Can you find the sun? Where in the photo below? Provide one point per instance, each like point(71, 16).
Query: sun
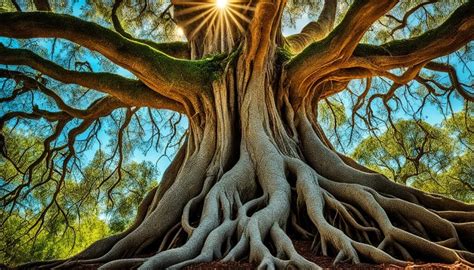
point(180, 32)
point(222, 18)
point(222, 4)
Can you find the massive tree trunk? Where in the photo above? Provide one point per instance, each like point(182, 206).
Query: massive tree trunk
point(257, 171)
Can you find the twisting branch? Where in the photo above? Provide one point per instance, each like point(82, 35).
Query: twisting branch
point(171, 77)
point(315, 30)
point(441, 67)
point(345, 75)
point(119, 150)
point(340, 43)
point(51, 154)
point(91, 112)
point(404, 21)
point(132, 92)
point(450, 36)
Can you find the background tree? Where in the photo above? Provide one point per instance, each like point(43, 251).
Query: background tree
point(254, 165)
point(89, 213)
point(421, 155)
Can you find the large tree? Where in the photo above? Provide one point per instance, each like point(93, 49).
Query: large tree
point(256, 168)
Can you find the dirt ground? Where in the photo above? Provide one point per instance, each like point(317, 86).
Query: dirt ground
point(304, 248)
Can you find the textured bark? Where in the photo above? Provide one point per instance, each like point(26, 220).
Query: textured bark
point(233, 188)
point(250, 164)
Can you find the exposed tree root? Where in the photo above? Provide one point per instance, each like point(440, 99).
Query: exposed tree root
point(247, 214)
point(216, 205)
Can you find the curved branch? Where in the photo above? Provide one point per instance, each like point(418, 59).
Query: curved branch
point(132, 92)
point(97, 107)
point(340, 43)
point(314, 31)
point(174, 78)
point(404, 21)
point(449, 37)
point(347, 74)
point(441, 67)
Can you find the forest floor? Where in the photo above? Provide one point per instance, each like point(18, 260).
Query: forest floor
point(304, 248)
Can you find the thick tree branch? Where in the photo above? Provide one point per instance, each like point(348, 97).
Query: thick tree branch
point(91, 112)
point(328, 85)
point(413, 53)
point(174, 78)
point(314, 31)
point(132, 92)
point(340, 43)
point(262, 31)
point(450, 36)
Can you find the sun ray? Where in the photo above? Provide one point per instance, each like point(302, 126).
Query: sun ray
point(228, 25)
point(236, 21)
point(223, 18)
point(242, 16)
point(212, 14)
point(206, 14)
point(193, 9)
point(240, 6)
point(222, 32)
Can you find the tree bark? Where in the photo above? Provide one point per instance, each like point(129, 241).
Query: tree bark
point(250, 163)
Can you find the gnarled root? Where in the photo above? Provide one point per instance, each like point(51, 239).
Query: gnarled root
point(249, 211)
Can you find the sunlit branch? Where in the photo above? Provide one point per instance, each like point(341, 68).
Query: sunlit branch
point(316, 30)
point(449, 37)
point(129, 91)
point(346, 75)
point(339, 44)
point(172, 77)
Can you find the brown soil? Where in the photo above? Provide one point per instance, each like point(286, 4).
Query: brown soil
point(304, 248)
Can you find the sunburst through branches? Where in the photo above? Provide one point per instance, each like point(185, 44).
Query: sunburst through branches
point(221, 19)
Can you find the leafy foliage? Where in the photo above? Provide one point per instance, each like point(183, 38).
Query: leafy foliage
point(428, 157)
point(89, 212)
